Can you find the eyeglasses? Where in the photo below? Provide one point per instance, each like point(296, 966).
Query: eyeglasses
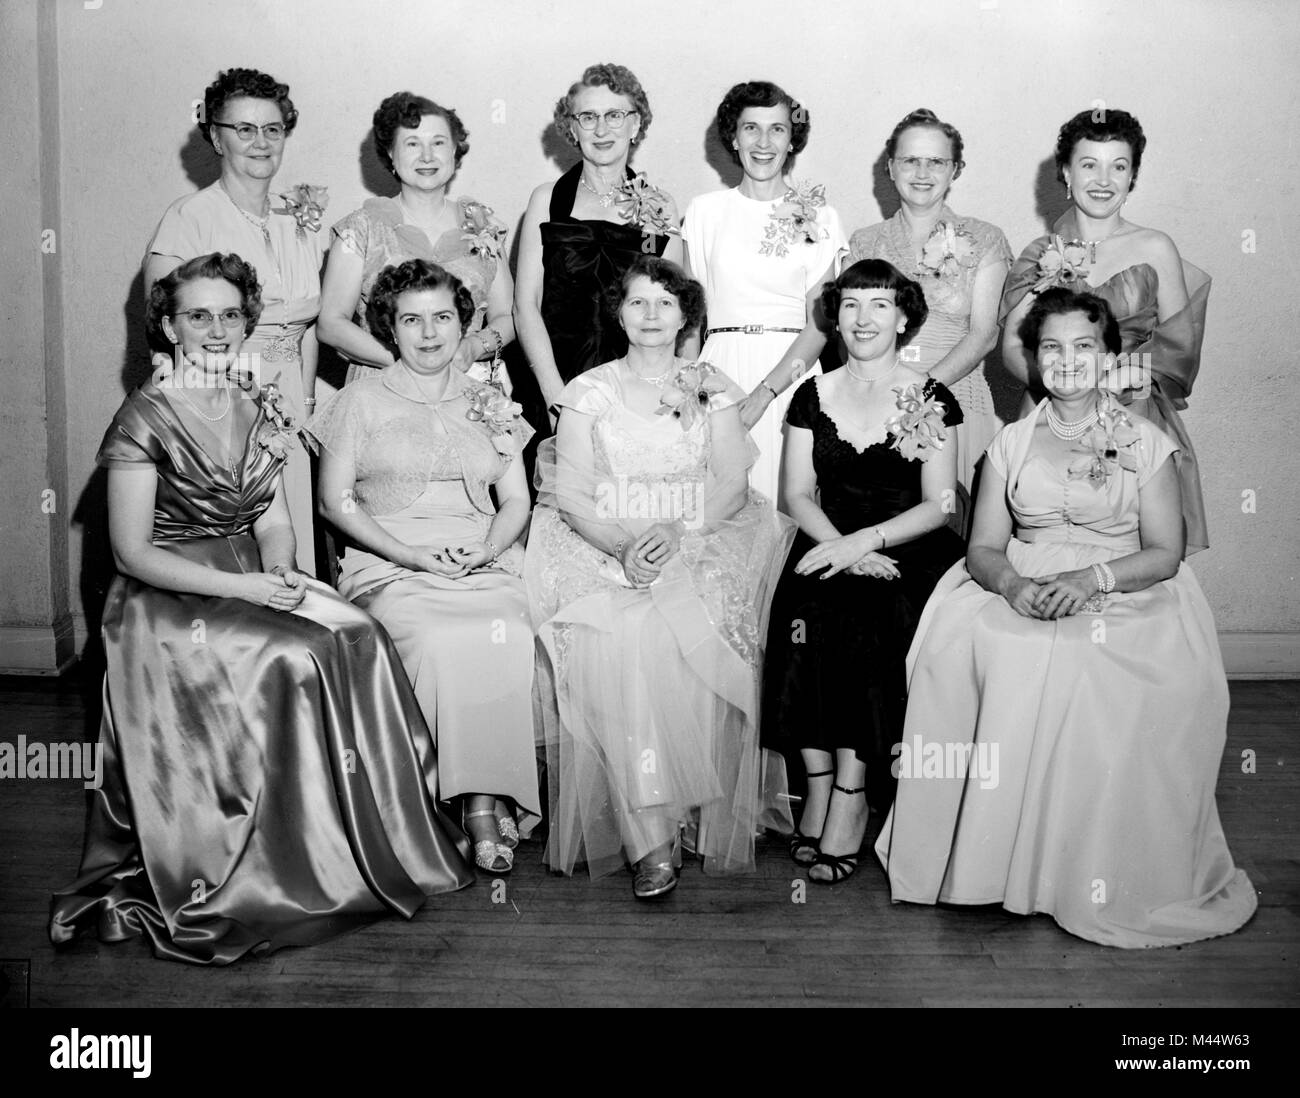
point(912, 164)
point(588, 120)
point(246, 131)
point(202, 318)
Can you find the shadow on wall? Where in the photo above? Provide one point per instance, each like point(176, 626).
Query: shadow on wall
point(719, 157)
point(200, 162)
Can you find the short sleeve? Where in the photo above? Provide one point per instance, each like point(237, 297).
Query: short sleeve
point(999, 452)
point(865, 244)
point(129, 442)
point(588, 393)
point(830, 251)
point(992, 244)
point(336, 426)
point(178, 234)
point(804, 406)
point(1156, 447)
point(352, 234)
point(952, 413)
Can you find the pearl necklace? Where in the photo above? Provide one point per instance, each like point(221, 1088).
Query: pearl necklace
point(199, 412)
point(870, 380)
point(1070, 432)
point(410, 220)
point(606, 200)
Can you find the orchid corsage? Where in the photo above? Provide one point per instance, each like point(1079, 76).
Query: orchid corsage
point(948, 251)
point(639, 202)
point(686, 395)
point(306, 204)
point(918, 431)
point(277, 434)
point(489, 406)
point(794, 220)
point(1064, 263)
point(1111, 444)
point(482, 231)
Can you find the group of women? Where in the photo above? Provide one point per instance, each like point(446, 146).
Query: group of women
point(283, 759)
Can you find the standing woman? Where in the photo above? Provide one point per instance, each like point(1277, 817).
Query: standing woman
point(869, 468)
point(247, 118)
point(582, 232)
point(763, 251)
point(422, 144)
point(1158, 297)
point(960, 263)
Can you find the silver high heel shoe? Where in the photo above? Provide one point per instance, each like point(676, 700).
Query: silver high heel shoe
point(489, 856)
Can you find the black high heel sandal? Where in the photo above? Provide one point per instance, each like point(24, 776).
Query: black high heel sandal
point(799, 841)
point(841, 866)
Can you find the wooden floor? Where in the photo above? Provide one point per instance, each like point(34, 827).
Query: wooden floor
point(555, 941)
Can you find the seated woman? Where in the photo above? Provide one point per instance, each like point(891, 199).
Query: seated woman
point(1067, 707)
point(872, 499)
point(407, 458)
point(267, 777)
point(650, 568)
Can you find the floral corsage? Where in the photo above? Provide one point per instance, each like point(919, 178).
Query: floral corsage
point(490, 406)
point(918, 429)
point(948, 251)
point(483, 232)
point(794, 221)
point(277, 434)
point(1112, 444)
point(686, 396)
point(1064, 263)
point(306, 204)
point(639, 202)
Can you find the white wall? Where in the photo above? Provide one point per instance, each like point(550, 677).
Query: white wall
point(1214, 84)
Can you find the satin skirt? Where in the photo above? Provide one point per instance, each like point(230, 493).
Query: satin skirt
point(267, 778)
point(1068, 767)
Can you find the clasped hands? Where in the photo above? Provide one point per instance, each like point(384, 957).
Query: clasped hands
point(281, 588)
point(644, 558)
point(1050, 597)
point(851, 553)
point(452, 562)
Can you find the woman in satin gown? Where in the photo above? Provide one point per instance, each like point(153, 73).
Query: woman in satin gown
point(650, 568)
point(267, 778)
point(762, 268)
point(422, 144)
point(872, 508)
point(1067, 708)
point(247, 119)
point(407, 459)
point(1158, 297)
point(581, 233)
point(960, 263)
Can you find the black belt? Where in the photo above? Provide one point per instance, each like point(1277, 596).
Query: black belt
point(751, 329)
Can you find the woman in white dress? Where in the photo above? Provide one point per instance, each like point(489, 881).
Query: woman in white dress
point(763, 250)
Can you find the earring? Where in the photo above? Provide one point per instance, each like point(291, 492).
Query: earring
point(1068, 193)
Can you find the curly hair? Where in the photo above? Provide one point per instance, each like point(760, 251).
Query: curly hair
point(689, 293)
point(1110, 126)
point(1059, 301)
point(619, 80)
point(406, 109)
point(226, 266)
point(924, 118)
point(761, 93)
point(878, 274)
point(412, 276)
point(245, 83)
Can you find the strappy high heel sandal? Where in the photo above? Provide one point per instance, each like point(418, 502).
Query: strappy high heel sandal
point(841, 866)
point(507, 828)
point(651, 879)
point(799, 841)
point(490, 856)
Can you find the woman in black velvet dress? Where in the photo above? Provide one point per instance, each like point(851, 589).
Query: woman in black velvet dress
point(869, 473)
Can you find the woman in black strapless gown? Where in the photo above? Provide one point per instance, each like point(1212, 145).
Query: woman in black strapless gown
point(871, 493)
point(582, 232)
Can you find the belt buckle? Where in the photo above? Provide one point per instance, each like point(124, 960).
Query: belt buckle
point(754, 329)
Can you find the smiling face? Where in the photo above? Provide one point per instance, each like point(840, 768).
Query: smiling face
point(762, 141)
point(651, 316)
point(870, 322)
point(605, 145)
point(1070, 354)
point(256, 159)
point(426, 329)
point(921, 183)
point(424, 158)
point(221, 337)
point(1100, 174)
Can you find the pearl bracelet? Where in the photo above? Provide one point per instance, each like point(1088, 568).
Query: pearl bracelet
point(1105, 578)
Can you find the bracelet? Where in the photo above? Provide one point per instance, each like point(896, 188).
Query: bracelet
point(493, 546)
point(310, 402)
point(618, 549)
point(765, 385)
point(1105, 578)
point(497, 341)
point(880, 534)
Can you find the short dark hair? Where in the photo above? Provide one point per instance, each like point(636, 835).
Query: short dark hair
point(619, 80)
point(245, 83)
point(689, 293)
point(414, 274)
point(1101, 124)
point(924, 118)
point(762, 93)
point(406, 109)
point(223, 265)
point(879, 274)
point(1058, 301)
